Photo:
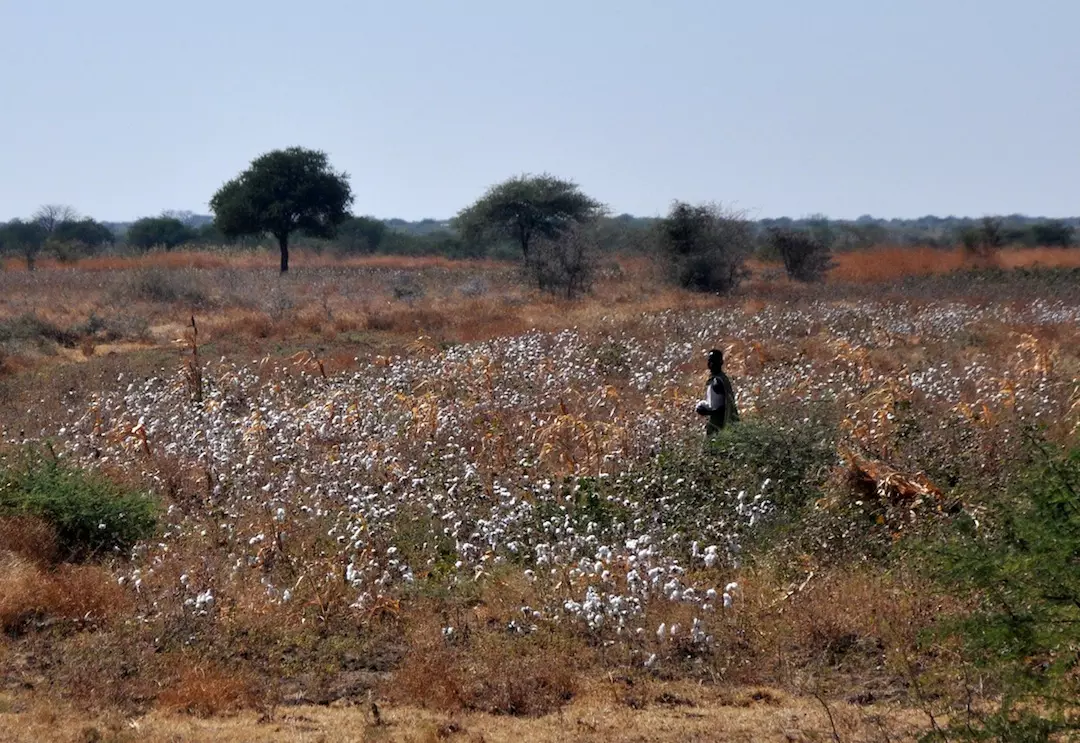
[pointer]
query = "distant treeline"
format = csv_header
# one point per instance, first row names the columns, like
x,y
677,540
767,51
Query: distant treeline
x,y
62,233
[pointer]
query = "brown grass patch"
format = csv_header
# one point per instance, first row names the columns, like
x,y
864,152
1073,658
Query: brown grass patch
x,y
491,672
205,690
29,538
84,594
266,259
893,263
675,712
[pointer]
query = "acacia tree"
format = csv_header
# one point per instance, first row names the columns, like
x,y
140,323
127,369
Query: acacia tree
x,y
526,208
281,192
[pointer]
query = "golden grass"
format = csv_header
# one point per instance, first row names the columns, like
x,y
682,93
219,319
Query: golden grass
x,y
893,263
607,710
78,593
298,259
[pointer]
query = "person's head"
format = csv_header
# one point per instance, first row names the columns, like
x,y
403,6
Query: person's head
x,y
716,360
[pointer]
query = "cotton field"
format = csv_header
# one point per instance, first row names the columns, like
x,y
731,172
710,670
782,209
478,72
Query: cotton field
x,y
288,490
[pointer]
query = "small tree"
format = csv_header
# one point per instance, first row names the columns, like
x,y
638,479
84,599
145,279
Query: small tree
x,y
281,192
705,247
23,238
527,208
50,216
806,257
565,265
152,232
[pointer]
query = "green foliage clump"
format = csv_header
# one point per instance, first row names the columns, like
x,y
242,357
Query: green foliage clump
x,y
91,514
751,481
153,232
705,248
1020,562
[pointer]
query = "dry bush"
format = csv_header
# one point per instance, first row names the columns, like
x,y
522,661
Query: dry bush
x,y
28,537
485,670
203,689
403,318
77,593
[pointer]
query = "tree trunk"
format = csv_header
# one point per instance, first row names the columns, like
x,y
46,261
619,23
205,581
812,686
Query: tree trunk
x,y
524,235
283,243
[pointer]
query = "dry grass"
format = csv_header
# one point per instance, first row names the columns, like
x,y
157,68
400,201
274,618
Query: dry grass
x,y
485,670
203,690
894,263
29,538
83,594
269,260
656,712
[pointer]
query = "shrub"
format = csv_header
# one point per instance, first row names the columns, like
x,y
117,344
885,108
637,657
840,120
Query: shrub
x,y
163,285
29,328
564,265
806,257
1019,562
90,514
765,471
704,247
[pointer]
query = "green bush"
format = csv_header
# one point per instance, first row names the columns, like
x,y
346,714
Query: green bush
x,y
748,485
91,514
1019,564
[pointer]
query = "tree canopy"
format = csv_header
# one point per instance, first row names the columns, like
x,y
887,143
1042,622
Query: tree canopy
x,y
525,208
282,192
152,232
25,238
86,232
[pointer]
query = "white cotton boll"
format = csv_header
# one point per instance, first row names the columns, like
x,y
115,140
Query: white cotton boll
x,y
279,515
710,559
727,600
184,579
731,587
661,631
711,594
675,629
286,595
650,661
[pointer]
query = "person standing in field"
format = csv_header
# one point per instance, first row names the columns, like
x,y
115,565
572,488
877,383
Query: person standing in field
x,y
719,402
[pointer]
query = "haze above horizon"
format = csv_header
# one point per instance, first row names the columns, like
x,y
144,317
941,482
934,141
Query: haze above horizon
x,y
123,109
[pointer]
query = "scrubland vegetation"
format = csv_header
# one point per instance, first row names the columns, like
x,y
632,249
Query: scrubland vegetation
x,y
418,498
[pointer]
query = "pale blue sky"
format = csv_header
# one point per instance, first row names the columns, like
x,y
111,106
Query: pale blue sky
x,y
123,108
